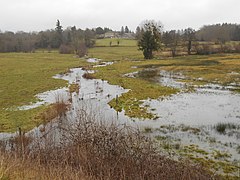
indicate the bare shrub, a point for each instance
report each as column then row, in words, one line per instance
column 237, row 48
column 203, row 49
column 88, row 75
column 57, row 109
column 148, row 73
column 227, row 49
column 65, row 49
column 93, row 149
column 52, row 111
column 82, row 50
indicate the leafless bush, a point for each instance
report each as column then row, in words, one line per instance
column 148, row 73
column 94, row 149
column 65, row 49
column 57, row 109
column 82, row 50
column 237, row 48
column 206, row 49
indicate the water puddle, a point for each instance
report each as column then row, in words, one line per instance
column 202, row 107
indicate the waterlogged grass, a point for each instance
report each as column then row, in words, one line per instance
column 140, row 89
column 23, row 75
column 74, row 88
column 199, row 70
column 222, row 68
column 218, row 162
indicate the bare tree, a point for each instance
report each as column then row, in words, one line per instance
column 189, row 37
column 171, row 39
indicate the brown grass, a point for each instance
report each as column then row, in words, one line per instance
column 91, row 149
column 74, row 88
column 88, row 75
column 52, row 111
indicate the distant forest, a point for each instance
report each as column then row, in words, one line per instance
column 79, row 39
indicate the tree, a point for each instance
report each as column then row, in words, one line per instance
column 126, row 30
column 236, row 35
column 99, row 31
column 150, row 38
column 171, row 40
column 89, row 37
column 138, row 33
column 122, row 30
column 189, row 36
column 58, row 27
column 58, row 36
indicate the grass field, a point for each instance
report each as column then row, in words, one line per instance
column 25, row 75
column 22, row 77
column 122, row 42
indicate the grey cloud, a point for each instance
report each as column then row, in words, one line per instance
column 30, row 15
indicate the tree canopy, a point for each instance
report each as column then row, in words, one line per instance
column 150, row 39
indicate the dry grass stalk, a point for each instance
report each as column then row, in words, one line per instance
column 93, row 149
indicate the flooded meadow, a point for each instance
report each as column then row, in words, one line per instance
column 200, row 122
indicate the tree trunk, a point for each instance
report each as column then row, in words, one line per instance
column 189, row 47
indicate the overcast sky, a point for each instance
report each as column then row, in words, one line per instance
column 36, row 15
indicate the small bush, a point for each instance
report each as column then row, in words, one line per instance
column 221, row 127
column 237, row 48
column 148, row 73
column 88, row 75
column 82, row 50
column 206, row 49
column 65, row 49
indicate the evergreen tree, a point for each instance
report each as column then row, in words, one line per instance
column 122, row 30
column 58, row 27
column 126, row 30
column 58, row 39
column 150, row 39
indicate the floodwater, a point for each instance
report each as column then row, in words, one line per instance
column 206, row 105
column 203, row 108
column 93, row 96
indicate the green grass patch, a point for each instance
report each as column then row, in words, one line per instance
column 23, row 75
column 116, row 42
column 116, row 53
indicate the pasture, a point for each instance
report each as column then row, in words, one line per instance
column 24, row 75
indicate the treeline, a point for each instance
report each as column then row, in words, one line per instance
column 211, row 39
column 219, row 32
column 70, row 40
column 207, row 40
